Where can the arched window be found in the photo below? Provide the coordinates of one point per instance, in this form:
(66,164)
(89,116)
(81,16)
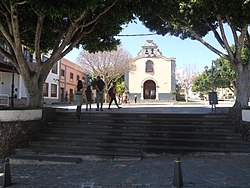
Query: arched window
(149,66)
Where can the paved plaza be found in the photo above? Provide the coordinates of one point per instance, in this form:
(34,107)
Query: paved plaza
(199,170)
(199,107)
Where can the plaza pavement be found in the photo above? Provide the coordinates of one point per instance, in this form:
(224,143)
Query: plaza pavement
(197,107)
(199,170)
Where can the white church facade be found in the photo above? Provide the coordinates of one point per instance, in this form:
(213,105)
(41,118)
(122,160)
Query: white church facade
(153,75)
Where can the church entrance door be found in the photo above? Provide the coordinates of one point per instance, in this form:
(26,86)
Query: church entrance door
(149,89)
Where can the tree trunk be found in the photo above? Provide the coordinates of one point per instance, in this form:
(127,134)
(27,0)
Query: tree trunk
(242,92)
(242,85)
(186,94)
(34,90)
(35,99)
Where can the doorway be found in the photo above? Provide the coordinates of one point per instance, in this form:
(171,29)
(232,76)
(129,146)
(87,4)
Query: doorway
(61,94)
(149,89)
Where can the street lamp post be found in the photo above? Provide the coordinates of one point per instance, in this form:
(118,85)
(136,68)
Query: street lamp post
(213,100)
(213,76)
(12,87)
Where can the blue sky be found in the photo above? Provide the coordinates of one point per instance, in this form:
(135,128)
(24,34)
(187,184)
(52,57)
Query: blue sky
(186,52)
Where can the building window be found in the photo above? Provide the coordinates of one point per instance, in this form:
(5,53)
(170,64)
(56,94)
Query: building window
(71,95)
(45,89)
(62,72)
(77,77)
(149,66)
(44,58)
(27,55)
(54,68)
(71,76)
(53,90)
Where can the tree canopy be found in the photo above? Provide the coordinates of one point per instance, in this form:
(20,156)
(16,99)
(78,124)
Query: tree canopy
(195,19)
(56,27)
(223,77)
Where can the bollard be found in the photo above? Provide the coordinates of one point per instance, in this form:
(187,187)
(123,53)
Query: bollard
(7,176)
(178,181)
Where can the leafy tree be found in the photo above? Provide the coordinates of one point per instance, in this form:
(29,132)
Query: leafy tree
(112,65)
(55,28)
(223,77)
(195,19)
(179,96)
(120,86)
(202,83)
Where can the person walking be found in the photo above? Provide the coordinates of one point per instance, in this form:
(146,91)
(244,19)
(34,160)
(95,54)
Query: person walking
(100,85)
(135,98)
(79,98)
(112,94)
(88,93)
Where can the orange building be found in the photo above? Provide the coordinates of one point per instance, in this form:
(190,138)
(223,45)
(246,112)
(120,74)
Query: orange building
(70,73)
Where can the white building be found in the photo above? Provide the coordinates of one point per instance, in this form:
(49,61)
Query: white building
(10,78)
(153,76)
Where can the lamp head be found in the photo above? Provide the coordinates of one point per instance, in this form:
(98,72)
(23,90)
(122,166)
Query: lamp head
(206,68)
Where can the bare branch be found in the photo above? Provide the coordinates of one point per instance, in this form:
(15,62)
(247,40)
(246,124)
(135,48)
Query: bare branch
(186,78)
(227,46)
(21,2)
(77,40)
(199,38)
(248,39)
(111,64)
(100,15)
(233,30)
(240,44)
(216,34)
(15,27)
(39,27)
(6,35)
(4,53)
(73,30)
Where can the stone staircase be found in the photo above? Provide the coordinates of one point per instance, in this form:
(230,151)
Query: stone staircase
(118,135)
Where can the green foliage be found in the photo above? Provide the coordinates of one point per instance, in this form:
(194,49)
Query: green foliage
(60,14)
(202,83)
(57,27)
(180,17)
(120,87)
(223,77)
(196,18)
(179,96)
(226,76)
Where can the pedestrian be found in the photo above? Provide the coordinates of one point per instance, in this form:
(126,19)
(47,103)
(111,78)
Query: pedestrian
(135,98)
(100,85)
(112,94)
(15,93)
(88,93)
(79,98)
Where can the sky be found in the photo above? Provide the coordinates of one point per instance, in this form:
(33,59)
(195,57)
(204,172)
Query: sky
(187,52)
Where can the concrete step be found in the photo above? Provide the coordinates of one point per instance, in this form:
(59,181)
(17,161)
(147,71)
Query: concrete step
(17,158)
(140,116)
(112,135)
(139,142)
(77,151)
(138,135)
(140,127)
(177,120)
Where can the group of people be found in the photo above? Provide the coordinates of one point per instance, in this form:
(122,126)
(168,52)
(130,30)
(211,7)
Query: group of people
(100,87)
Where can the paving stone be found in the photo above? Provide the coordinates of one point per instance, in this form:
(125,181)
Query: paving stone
(198,171)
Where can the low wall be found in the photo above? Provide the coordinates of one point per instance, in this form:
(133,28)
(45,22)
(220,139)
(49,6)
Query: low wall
(16,134)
